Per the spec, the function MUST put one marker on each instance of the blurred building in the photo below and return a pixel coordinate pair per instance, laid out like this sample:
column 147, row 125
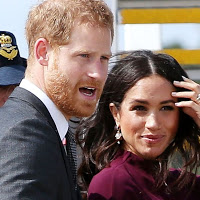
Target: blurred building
column 147, row 24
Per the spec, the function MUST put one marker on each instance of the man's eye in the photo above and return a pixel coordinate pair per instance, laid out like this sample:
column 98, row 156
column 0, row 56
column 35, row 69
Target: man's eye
column 84, row 55
column 104, row 58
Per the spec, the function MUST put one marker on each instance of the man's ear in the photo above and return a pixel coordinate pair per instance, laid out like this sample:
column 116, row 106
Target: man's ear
column 115, row 113
column 41, row 51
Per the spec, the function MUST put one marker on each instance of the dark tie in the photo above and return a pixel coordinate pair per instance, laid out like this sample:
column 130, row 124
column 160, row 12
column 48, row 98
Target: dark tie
column 71, row 153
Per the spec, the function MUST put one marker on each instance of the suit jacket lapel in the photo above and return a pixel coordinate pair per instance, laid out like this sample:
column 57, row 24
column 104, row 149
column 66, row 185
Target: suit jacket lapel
column 24, row 95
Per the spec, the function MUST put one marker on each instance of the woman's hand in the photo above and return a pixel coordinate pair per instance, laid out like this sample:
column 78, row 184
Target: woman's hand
column 191, row 107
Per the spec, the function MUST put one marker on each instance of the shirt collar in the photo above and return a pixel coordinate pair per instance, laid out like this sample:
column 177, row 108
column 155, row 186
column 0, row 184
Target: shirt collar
column 58, row 117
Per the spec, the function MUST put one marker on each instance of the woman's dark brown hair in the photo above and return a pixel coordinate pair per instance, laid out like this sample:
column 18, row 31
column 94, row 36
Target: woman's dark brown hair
column 96, row 134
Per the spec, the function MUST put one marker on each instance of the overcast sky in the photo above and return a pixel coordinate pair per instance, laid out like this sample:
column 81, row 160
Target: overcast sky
column 13, row 16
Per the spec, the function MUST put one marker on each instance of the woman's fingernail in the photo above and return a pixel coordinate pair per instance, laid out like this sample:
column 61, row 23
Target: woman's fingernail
column 184, row 78
column 176, row 82
column 174, row 93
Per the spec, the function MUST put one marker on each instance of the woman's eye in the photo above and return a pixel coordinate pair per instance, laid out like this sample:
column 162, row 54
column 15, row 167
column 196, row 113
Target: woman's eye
column 167, row 108
column 139, row 108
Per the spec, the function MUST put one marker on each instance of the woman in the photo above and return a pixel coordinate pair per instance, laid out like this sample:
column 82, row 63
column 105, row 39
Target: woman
column 148, row 112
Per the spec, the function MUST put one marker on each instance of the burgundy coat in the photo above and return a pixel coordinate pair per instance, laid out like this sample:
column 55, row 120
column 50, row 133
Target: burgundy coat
column 129, row 178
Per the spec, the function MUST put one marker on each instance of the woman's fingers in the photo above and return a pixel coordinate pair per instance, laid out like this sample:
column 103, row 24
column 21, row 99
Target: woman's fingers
column 192, row 109
column 191, row 105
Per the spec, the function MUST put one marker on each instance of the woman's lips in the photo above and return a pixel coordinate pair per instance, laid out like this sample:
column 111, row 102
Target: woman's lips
column 152, row 138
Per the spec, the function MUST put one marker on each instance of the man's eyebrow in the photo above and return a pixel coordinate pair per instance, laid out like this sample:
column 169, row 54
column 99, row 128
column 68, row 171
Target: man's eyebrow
column 81, row 51
column 90, row 52
column 108, row 55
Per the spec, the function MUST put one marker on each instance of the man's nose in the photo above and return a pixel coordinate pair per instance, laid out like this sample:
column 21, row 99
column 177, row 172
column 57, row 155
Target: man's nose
column 98, row 70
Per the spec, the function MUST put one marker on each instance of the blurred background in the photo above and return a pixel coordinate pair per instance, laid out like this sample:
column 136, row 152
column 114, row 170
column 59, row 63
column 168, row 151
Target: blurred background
column 172, row 26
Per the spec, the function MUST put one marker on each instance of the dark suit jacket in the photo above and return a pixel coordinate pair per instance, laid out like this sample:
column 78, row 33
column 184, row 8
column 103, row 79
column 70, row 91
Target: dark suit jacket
column 33, row 163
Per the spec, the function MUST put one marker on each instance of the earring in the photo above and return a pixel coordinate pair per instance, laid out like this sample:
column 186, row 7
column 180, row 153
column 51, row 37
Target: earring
column 118, row 135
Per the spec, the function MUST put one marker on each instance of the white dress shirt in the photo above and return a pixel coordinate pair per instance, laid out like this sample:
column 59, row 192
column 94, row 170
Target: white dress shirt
column 59, row 119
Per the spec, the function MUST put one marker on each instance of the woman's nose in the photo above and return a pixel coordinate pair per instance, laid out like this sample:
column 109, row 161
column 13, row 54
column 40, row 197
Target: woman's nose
column 152, row 121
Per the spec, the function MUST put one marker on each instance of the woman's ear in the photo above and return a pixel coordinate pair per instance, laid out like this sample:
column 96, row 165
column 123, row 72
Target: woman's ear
column 115, row 113
column 41, row 51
